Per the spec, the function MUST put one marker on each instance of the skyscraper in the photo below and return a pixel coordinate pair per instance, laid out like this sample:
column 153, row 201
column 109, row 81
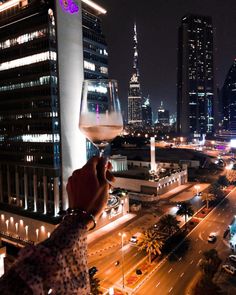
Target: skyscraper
column 147, row 112
column 229, row 101
column 41, row 74
column 135, row 95
column 94, row 44
column 163, row 115
column 95, row 57
column 195, row 81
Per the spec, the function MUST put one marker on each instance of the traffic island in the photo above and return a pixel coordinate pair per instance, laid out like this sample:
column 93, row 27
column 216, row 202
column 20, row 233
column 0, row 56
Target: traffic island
column 137, row 275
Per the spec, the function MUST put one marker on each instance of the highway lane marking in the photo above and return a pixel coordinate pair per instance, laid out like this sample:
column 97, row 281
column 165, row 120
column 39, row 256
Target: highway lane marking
column 170, row 270
column 170, row 289
column 191, row 262
column 182, row 274
column 157, row 284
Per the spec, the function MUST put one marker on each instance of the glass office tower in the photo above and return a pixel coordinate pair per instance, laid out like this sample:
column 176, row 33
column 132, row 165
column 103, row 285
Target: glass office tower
column 29, row 107
column 229, row 101
column 195, row 80
column 41, row 73
column 95, row 58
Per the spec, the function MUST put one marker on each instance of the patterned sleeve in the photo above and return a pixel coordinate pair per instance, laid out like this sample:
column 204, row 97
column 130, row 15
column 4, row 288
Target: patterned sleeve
column 56, row 266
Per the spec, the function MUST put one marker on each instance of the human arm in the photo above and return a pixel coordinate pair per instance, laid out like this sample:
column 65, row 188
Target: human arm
column 59, row 264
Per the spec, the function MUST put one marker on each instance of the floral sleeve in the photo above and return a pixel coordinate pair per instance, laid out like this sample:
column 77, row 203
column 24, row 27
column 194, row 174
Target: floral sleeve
column 56, row 266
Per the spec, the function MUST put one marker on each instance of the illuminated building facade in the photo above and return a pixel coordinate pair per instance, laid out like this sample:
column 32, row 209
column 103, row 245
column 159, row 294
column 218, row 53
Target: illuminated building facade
column 95, row 58
column 135, row 95
column 229, row 101
column 163, row 116
column 147, row 112
column 195, row 83
column 41, row 74
column 94, row 45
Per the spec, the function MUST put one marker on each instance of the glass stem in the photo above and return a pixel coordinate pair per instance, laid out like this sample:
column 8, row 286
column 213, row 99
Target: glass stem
column 101, row 153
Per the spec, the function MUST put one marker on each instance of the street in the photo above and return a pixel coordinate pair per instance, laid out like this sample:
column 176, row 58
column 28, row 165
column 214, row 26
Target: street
column 108, row 273
column 174, row 275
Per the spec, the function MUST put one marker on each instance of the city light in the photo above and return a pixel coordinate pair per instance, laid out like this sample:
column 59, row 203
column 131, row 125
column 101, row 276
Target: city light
column 233, row 143
column 9, row 4
column 95, row 6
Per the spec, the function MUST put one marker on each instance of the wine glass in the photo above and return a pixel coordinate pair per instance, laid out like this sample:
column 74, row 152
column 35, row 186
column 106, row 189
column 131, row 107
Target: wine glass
column 100, row 112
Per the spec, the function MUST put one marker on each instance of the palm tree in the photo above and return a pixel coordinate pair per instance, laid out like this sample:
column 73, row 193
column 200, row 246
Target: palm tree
column 94, row 285
column 210, row 262
column 185, row 209
column 152, row 242
column 207, row 198
column 223, row 181
column 216, row 190
column 168, row 223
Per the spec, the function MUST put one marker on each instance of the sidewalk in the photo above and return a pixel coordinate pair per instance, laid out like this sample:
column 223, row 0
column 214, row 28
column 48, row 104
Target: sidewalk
column 175, row 191
column 190, row 193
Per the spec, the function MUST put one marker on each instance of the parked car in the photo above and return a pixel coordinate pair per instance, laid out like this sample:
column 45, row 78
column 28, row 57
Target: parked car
column 229, row 269
column 232, row 258
column 211, row 238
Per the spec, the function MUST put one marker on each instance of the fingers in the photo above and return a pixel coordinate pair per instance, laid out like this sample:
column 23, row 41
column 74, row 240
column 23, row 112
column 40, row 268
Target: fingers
column 93, row 162
column 109, row 176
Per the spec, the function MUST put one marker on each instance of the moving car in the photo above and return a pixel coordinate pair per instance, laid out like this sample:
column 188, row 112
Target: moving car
column 229, row 269
column 134, row 238
column 211, row 238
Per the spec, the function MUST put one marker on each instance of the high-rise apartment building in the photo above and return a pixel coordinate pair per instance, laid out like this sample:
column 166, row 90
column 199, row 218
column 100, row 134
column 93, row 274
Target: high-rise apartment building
column 195, row 79
column 42, row 66
column 229, row 101
column 135, row 95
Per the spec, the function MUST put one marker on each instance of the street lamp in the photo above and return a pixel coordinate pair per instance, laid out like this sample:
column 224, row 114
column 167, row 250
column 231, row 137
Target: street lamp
column 122, row 235
column 197, row 187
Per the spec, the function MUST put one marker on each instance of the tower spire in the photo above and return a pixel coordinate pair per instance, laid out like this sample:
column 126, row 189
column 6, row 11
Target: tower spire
column 135, row 62
column 135, row 95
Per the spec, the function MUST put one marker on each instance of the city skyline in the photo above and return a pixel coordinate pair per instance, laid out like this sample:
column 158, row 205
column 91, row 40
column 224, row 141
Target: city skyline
column 158, row 47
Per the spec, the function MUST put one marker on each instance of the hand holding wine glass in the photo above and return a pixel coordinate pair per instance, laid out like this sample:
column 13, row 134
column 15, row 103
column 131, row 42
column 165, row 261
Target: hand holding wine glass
column 100, row 114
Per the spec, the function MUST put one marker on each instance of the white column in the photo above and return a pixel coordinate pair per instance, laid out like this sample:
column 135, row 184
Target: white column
column 71, row 75
column 35, row 192
column 153, row 155
column 56, row 195
column 2, row 256
column 26, row 190
column 45, row 194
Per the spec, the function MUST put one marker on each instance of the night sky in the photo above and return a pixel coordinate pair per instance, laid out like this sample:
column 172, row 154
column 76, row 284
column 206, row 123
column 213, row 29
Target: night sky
column 157, row 25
